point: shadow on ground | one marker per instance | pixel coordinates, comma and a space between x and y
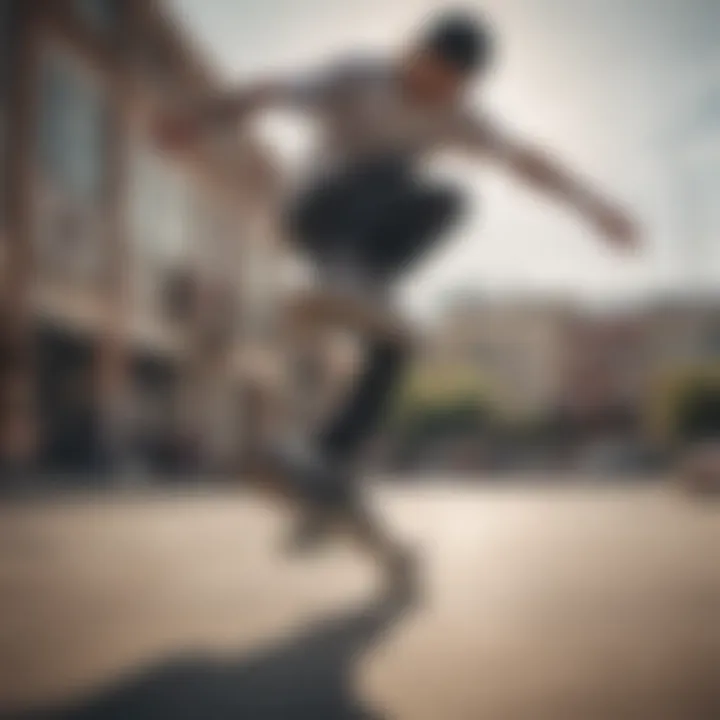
308, 677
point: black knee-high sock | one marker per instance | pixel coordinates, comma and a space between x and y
368, 400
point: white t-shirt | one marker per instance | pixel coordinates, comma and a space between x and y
363, 114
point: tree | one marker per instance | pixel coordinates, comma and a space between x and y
698, 411
440, 407
687, 404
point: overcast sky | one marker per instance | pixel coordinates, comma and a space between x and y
615, 87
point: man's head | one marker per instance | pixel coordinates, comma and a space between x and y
453, 50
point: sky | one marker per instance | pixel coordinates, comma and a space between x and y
621, 90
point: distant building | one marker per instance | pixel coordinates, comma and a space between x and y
515, 346
137, 291
604, 370
684, 330
613, 363
596, 371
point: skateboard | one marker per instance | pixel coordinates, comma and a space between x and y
277, 483
310, 313
338, 521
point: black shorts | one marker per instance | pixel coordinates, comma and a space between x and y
380, 214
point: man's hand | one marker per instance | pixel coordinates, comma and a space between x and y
615, 225
540, 170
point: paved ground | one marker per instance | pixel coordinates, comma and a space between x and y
565, 604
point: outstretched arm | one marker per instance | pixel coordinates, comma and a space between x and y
540, 170
237, 105
182, 127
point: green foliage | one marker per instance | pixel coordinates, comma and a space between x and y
438, 405
697, 412
460, 416
431, 389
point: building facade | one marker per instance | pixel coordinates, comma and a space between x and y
514, 346
595, 373
605, 363
130, 324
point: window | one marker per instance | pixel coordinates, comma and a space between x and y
5, 68
260, 278
483, 353
99, 14
5, 47
74, 129
160, 207
219, 237
156, 60
160, 222
712, 342
218, 255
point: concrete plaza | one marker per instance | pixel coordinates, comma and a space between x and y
574, 602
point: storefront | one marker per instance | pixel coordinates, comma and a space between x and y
66, 398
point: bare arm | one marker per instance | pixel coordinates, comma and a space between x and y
302, 92
240, 104
539, 170
181, 127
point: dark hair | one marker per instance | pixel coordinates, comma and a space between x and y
463, 39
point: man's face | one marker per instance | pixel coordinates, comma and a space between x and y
431, 80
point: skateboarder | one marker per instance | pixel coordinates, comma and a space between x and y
367, 210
